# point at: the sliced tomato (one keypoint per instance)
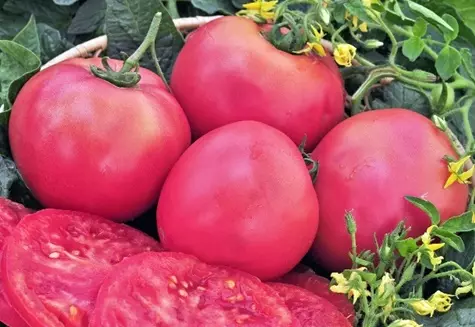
(170, 289)
(55, 261)
(10, 214)
(307, 279)
(309, 309)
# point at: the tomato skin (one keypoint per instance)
(240, 196)
(83, 144)
(228, 72)
(367, 164)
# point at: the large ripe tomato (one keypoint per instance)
(10, 214)
(240, 196)
(82, 143)
(176, 290)
(368, 164)
(227, 72)
(55, 261)
(309, 309)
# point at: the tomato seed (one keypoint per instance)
(230, 284)
(182, 292)
(54, 255)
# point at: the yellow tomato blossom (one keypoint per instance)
(341, 284)
(426, 240)
(441, 301)
(346, 286)
(363, 26)
(457, 173)
(467, 286)
(423, 307)
(344, 54)
(404, 323)
(260, 8)
(314, 44)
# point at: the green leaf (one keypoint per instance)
(448, 61)
(395, 15)
(466, 258)
(449, 238)
(28, 37)
(89, 17)
(45, 11)
(467, 62)
(406, 246)
(358, 9)
(11, 24)
(17, 65)
(427, 207)
(461, 223)
(420, 27)
(52, 42)
(461, 314)
(428, 14)
(466, 9)
(449, 36)
(413, 47)
(126, 34)
(399, 95)
(215, 6)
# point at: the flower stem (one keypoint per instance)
(172, 9)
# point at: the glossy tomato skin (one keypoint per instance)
(240, 196)
(367, 165)
(227, 72)
(83, 144)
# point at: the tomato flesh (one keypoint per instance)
(367, 165)
(55, 261)
(240, 196)
(176, 290)
(309, 309)
(10, 215)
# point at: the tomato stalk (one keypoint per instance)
(128, 75)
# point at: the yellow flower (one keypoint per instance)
(363, 27)
(441, 301)
(435, 261)
(457, 173)
(386, 283)
(423, 307)
(314, 44)
(260, 8)
(341, 284)
(426, 240)
(473, 216)
(344, 54)
(404, 323)
(467, 286)
(344, 285)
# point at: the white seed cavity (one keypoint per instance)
(54, 255)
(182, 292)
(184, 284)
(174, 279)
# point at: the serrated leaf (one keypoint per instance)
(461, 223)
(449, 238)
(124, 34)
(399, 95)
(406, 246)
(413, 47)
(448, 61)
(65, 2)
(467, 62)
(17, 65)
(428, 14)
(427, 207)
(89, 17)
(449, 36)
(52, 42)
(420, 27)
(28, 37)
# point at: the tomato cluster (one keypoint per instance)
(219, 156)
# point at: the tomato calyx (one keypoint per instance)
(311, 164)
(128, 75)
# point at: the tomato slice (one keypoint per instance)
(170, 289)
(55, 261)
(10, 214)
(318, 285)
(309, 309)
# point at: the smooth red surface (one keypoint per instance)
(368, 163)
(176, 290)
(318, 285)
(55, 261)
(240, 196)
(83, 144)
(10, 214)
(309, 309)
(227, 72)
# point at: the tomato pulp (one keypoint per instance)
(176, 290)
(82, 143)
(10, 215)
(227, 72)
(309, 309)
(55, 261)
(367, 165)
(240, 196)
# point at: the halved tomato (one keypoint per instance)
(55, 261)
(10, 214)
(309, 309)
(171, 289)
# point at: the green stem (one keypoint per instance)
(392, 38)
(336, 34)
(432, 275)
(156, 62)
(404, 32)
(173, 9)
